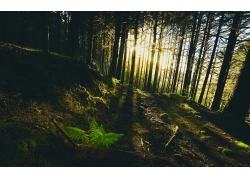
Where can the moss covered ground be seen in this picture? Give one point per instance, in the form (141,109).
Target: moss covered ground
(158,129)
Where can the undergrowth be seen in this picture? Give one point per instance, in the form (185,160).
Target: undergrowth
(96,136)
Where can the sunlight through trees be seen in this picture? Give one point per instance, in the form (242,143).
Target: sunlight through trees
(195,54)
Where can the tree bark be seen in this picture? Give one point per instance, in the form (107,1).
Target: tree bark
(240,101)
(211,60)
(73,33)
(58,31)
(226,61)
(90,37)
(45,31)
(158,58)
(190,54)
(153,53)
(118,22)
(123,38)
(124,59)
(183,29)
(132,71)
(192,91)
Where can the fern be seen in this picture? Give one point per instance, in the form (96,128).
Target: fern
(77,134)
(108,139)
(97,136)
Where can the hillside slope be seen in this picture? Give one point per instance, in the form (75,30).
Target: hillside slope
(158,129)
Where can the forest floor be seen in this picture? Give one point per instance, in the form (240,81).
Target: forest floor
(158,129)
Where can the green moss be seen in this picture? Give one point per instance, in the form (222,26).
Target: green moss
(164,117)
(202,131)
(139,129)
(32,49)
(226,151)
(242,145)
(177,155)
(182,123)
(205,137)
(176,97)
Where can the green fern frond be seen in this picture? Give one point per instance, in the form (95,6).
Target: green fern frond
(108,139)
(102,130)
(93,125)
(77,134)
(97,136)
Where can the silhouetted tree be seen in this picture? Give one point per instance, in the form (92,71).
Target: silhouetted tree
(190,55)
(211,59)
(240,101)
(226,61)
(90,37)
(118,22)
(183,29)
(153,52)
(73,37)
(123,38)
(45,31)
(197,67)
(132,71)
(58,31)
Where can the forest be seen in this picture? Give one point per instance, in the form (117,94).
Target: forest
(125,88)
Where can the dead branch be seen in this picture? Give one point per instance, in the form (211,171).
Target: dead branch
(172,137)
(64,133)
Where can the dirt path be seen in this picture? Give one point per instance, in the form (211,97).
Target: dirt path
(148,122)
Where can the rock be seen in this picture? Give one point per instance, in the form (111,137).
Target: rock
(164,117)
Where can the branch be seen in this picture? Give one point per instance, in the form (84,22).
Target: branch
(172,137)
(59,127)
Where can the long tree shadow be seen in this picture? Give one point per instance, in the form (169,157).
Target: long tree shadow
(124,111)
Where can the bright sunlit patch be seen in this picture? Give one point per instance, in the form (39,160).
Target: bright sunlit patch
(243,145)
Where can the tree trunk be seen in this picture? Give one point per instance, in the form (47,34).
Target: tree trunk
(158,58)
(167,62)
(58,31)
(240,101)
(118,22)
(45,31)
(137,73)
(183,29)
(124,59)
(190,55)
(103,52)
(128,68)
(210,81)
(147,67)
(226,61)
(171,68)
(211,60)
(123,38)
(132,71)
(180,74)
(194,82)
(73,33)
(94,47)
(153,53)
(90,37)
